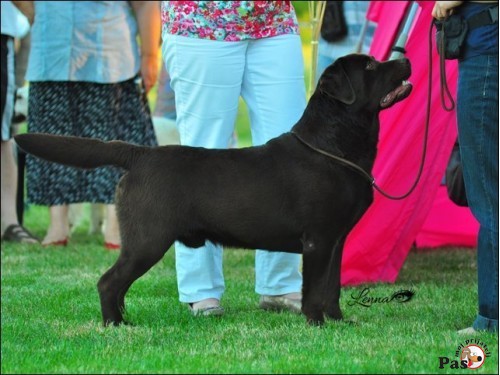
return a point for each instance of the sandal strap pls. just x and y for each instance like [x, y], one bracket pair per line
[17, 233]
[206, 311]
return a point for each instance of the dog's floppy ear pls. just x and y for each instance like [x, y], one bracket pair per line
[336, 83]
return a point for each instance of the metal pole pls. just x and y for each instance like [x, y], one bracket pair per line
[316, 12]
[398, 49]
[361, 38]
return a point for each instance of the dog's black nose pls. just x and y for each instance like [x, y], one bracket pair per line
[479, 358]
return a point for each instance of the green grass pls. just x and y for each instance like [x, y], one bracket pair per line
[51, 320]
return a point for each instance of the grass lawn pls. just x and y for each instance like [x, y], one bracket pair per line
[51, 320]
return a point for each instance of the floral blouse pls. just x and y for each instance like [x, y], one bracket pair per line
[228, 20]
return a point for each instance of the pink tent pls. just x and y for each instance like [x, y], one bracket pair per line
[377, 247]
[447, 224]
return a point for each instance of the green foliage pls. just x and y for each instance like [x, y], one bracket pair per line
[51, 321]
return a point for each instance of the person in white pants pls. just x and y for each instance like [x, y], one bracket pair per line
[208, 75]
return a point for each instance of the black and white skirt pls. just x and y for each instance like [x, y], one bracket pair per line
[116, 111]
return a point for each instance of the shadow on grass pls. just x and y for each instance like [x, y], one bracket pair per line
[451, 265]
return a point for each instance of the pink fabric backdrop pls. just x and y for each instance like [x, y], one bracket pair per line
[377, 247]
[448, 224]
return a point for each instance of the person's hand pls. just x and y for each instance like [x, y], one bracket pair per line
[443, 9]
[149, 71]
[147, 14]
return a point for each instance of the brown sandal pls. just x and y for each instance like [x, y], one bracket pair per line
[16, 233]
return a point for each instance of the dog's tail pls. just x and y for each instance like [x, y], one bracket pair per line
[80, 152]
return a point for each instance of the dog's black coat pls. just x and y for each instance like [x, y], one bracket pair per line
[282, 196]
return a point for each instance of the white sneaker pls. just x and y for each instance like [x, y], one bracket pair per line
[467, 331]
[206, 307]
[291, 302]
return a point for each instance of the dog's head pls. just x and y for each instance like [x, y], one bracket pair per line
[363, 83]
[470, 357]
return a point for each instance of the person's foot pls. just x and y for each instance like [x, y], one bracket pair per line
[112, 246]
[17, 233]
[55, 241]
[206, 307]
[63, 242]
[112, 240]
[58, 232]
[56, 237]
[467, 331]
[291, 302]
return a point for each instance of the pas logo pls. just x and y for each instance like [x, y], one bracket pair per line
[474, 355]
[471, 355]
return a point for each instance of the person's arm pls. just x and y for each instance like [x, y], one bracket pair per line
[27, 8]
[148, 18]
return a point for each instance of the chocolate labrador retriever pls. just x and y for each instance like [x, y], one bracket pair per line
[301, 192]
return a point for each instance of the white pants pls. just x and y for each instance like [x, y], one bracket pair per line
[208, 78]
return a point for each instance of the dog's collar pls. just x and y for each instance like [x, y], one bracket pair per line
[346, 162]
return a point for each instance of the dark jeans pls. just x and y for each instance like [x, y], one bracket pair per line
[477, 109]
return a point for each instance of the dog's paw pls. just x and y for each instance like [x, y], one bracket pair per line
[117, 323]
[334, 314]
[350, 322]
[316, 321]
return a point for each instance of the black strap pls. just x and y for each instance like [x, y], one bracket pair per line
[398, 49]
[486, 17]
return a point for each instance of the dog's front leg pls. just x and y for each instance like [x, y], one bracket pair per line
[316, 257]
[333, 285]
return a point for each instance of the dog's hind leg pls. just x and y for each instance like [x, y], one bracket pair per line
[124, 290]
[121, 297]
[130, 265]
[316, 257]
[111, 313]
